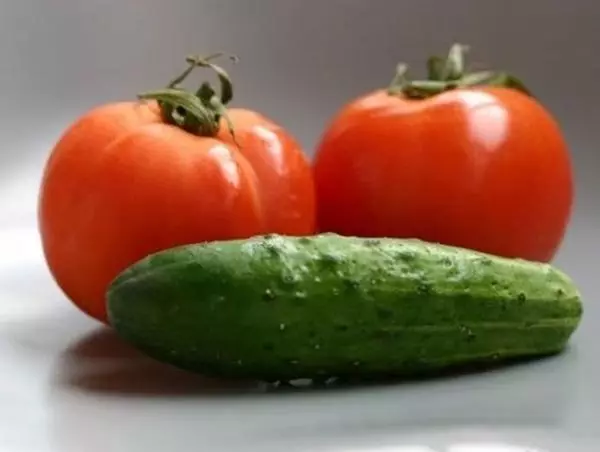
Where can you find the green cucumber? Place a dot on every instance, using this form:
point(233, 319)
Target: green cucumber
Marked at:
point(281, 308)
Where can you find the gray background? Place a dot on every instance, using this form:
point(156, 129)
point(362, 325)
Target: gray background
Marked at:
point(65, 387)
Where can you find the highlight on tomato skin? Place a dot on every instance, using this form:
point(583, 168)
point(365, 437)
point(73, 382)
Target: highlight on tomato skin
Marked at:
point(465, 159)
point(131, 178)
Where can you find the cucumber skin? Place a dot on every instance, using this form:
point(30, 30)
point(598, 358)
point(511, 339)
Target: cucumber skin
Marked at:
point(281, 308)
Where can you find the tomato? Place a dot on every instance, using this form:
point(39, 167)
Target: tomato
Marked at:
point(469, 160)
point(131, 178)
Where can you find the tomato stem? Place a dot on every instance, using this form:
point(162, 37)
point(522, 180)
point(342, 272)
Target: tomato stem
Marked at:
point(400, 80)
point(444, 74)
point(196, 112)
point(454, 66)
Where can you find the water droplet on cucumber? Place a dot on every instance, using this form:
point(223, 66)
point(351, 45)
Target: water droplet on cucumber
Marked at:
point(351, 283)
point(406, 256)
point(300, 295)
point(446, 262)
point(330, 261)
point(290, 279)
point(424, 288)
point(269, 295)
point(468, 333)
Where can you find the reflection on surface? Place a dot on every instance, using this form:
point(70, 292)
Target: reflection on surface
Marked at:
point(91, 408)
point(489, 447)
point(101, 362)
point(395, 449)
point(105, 395)
point(462, 447)
point(474, 447)
point(488, 121)
point(226, 161)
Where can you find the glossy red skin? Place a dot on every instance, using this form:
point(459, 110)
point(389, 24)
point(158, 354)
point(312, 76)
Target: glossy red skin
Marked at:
point(485, 168)
point(121, 184)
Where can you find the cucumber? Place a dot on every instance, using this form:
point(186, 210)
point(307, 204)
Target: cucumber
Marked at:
point(279, 308)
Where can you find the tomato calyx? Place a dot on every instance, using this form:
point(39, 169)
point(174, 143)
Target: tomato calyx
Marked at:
point(445, 74)
point(196, 112)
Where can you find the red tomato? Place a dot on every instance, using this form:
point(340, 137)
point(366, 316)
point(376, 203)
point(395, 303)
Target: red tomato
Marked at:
point(124, 182)
point(470, 165)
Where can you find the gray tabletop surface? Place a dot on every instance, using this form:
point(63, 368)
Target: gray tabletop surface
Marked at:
point(69, 385)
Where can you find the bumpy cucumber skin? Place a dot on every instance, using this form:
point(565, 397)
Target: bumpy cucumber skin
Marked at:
point(280, 308)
